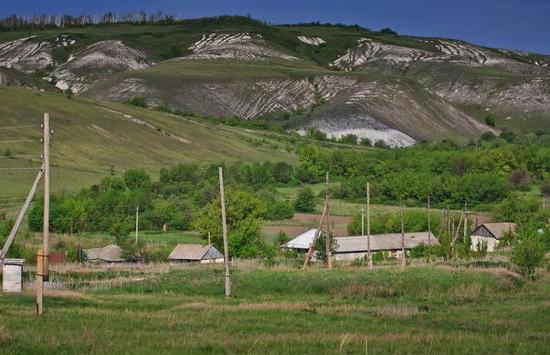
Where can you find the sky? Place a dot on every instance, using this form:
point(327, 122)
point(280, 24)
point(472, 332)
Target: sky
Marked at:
point(513, 24)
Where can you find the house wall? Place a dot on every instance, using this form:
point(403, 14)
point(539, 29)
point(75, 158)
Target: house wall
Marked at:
point(212, 261)
point(478, 239)
point(353, 256)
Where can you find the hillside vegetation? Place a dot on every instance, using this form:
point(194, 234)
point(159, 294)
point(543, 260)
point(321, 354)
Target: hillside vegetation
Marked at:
point(338, 79)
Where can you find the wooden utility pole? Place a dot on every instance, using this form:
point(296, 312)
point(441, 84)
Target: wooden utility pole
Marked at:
point(137, 223)
point(465, 221)
point(403, 257)
point(328, 251)
point(42, 274)
point(369, 252)
point(429, 224)
point(225, 242)
point(311, 250)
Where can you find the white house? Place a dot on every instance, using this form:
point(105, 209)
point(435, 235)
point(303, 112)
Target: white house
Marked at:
point(491, 234)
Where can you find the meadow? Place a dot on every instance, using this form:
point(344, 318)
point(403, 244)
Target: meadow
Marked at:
point(181, 309)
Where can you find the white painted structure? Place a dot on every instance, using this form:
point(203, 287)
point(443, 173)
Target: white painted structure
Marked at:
point(490, 234)
point(12, 278)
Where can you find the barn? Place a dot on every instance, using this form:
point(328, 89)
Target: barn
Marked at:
point(353, 247)
point(189, 253)
point(108, 254)
point(491, 234)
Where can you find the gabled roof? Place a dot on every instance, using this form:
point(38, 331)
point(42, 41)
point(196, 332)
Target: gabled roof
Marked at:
point(498, 230)
point(389, 241)
point(109, 253)
point(195, 252)
point(302, 241)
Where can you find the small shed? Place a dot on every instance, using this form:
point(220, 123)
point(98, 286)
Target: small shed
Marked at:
point(189, 253)
point(108, 254)
point(12, 275)
point(491, 234)
point(356, 246)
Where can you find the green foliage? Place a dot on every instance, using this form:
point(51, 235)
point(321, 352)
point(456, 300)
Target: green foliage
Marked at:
point(278, 210)
point(316, 134)
point(490, 120)
point(366, 141)
point(528, 254)
point(305, 201)
point(244, 214)
point(348, 139)
point(413, 221)
point(138, 101)
point(388, 31)
point(520, 209)
point(545, 187)
point(520, 179)
point(321, 247)
point(283, 172)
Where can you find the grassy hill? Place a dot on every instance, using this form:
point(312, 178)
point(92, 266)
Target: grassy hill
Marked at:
point(92, 138)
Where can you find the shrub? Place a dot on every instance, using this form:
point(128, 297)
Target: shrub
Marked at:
point(528, 254)
point(380, 144)
point(366, 141)
point(305, 202)
point(348, 139)
point(279, 210)
point(520, 179)
point(545, 187)
point(138, 101)
point(490, 120)
point(388, 31)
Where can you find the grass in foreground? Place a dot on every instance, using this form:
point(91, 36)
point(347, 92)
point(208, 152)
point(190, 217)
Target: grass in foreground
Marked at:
point(347, 310)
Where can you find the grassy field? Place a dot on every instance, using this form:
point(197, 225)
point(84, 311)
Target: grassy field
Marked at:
point(181, 309)
point(92, 138)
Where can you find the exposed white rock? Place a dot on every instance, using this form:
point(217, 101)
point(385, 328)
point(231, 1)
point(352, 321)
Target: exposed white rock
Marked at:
point(329, 86)
point(369, 51)
point(97, 60)
point(234, 46)
point(391, 137)
point(26, 55)
point(62, 85)
point(469, 54)
point(314, 41)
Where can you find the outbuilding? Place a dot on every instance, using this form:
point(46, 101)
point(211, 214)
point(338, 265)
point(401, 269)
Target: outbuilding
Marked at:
point(108, 254)
point(490, 234)
point(189, 253)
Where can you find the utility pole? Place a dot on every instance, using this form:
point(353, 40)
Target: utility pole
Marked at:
point(465, 221)
point(369, 252)
point(363, 221)
point(137, 223)
point(403, 259)
point(225, 242)
point(42, 274)
point(429, 224)
point(328, 251)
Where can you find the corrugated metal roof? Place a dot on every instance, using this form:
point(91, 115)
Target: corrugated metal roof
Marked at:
point(303, 241)
point(390, 241)
point(195, 252)
point(498, 229)
point(109, 253)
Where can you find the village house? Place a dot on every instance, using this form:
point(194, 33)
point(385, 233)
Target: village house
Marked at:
point(490, 234)
point(354, 247)
point(188, 253)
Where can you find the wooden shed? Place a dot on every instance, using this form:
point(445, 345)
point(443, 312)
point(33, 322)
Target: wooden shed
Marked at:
point(195, 253)
point(491, 234)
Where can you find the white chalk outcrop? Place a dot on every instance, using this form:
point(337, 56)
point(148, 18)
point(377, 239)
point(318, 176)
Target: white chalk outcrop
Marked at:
point(313, 41)
point(96, 61)
point(234, 46)
point(369, 51)
point(25, 54)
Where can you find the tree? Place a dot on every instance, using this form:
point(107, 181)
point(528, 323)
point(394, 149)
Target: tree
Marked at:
point(545, 187)
point(244, 214)
point(388, 31)
point(348, 139)
point(366, 141)
point(305, 201)
point(137, 179)
point(528, 254)
point(278, 210)
point(282, 172)
point(520, 179)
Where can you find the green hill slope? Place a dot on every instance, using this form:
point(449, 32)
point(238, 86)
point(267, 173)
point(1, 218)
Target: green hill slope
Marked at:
point(92, 138)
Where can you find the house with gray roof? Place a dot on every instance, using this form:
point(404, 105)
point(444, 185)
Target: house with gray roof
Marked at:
point(188, 253)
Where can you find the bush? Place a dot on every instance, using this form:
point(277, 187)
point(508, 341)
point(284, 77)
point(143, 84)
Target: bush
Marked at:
point(490, 120)
point(388, 31)
point(528, 254)
point(520, 179)
point(348, 139)
point(305, 202)
point(138, 101)
point(545, 187)
point(279, 210)
point(366, 141)
point(380, 144)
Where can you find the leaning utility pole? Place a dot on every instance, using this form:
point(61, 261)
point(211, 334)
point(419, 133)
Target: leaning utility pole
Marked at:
point(42, 267)
point(328, 251)
point(465, 221)
point(369, 252)
point(137, 223)
point(403, 257)
point(225, 242)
